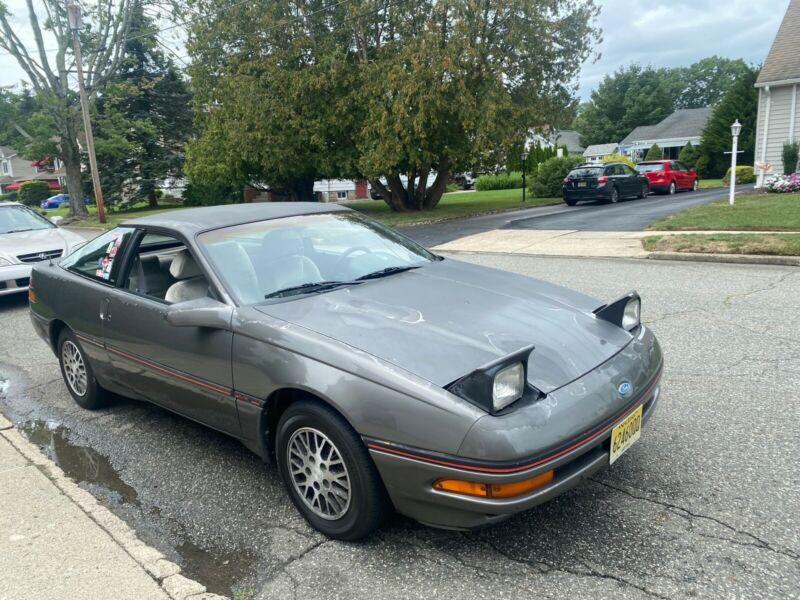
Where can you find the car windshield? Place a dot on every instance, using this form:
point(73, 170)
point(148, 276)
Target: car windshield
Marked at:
point(296, 256)
point(20, 218)
point(645, 167)
point(586, 172)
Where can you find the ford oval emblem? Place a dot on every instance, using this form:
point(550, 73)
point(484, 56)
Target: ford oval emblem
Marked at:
point(624, 388)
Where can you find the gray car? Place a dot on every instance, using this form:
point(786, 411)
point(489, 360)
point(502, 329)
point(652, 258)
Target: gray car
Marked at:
point(27, 238)
point(375, 373)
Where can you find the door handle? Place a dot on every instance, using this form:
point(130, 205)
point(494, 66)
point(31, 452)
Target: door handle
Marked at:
point(104, 314)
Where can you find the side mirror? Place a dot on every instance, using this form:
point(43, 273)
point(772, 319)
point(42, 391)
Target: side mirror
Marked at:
point(203, 312)
point(56, 220)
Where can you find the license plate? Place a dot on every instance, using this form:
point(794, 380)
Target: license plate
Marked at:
point(624, 435)
point(582, 184)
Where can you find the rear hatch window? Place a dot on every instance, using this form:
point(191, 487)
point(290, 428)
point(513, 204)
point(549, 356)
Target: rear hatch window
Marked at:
point(584, 172)
point(649, 167)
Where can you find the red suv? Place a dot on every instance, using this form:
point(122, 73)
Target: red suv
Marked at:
point(669, 176)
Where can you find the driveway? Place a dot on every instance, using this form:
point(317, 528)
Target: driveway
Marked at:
point(705, 505)
point(628, 215)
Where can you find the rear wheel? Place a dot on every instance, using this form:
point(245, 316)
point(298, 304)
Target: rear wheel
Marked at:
point(570, 202)
point(672, 189)
point(695, 185)
point(78, 374)
point(328, 472)
point(614, 195)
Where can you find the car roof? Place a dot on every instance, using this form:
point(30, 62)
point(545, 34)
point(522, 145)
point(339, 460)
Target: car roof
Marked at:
point(654, 162)
point(190, 221)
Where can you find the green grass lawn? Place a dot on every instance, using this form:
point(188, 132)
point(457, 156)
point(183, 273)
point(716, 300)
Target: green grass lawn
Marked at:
point(782, 244)
point(711, 183)
point(751, 212)
point(453, 206)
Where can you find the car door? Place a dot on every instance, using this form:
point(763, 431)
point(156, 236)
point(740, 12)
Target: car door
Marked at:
point(631, 178)
point(679, 173)
point(184, 369)
point(82, 298)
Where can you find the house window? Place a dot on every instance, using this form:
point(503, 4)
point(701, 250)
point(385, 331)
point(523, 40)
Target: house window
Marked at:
point(341, 195)
point(5, 167)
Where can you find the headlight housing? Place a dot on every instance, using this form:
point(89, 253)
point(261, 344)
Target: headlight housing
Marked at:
point(624, 312)
point(499, 384)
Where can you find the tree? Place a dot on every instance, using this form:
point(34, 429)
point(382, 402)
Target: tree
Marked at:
point(655, 153)
point(32, 192)
point(103, 39)
point(790, 157)
point(705, 82)
point(143, 120)
point(548, 180)
point(740, 102)
point(393, 92)
point(631, 97)
point(688, 155)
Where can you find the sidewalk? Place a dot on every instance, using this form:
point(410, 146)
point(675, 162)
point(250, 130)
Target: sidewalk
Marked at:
point(56, 541)
point(542, 242)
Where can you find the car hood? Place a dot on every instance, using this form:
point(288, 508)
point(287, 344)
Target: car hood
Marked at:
point(37, 240)
point(449, 318)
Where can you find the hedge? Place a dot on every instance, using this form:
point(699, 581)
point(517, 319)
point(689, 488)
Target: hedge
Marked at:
point(501, 181)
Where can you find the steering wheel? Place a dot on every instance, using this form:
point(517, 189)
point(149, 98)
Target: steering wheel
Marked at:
point(350, 251)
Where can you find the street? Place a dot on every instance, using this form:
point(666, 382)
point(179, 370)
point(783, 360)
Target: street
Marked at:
point(627, 215)
point(704, 505)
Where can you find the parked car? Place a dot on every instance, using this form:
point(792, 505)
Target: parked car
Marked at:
point(464, 181)
point(611, 182)
point(27, 238)
point(58, 200)
point(374, 372)
point(669, 176)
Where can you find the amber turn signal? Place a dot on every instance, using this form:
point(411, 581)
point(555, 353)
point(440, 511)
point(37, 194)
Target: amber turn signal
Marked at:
point(493, 490)
point(31, 295)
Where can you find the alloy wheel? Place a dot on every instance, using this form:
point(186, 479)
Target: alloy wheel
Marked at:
point(318, 473)
point(695, 185)
point(74, 368)
point(672, 189)
point(614, 196)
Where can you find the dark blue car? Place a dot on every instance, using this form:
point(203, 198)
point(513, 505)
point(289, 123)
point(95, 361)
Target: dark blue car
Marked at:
point(58, 200)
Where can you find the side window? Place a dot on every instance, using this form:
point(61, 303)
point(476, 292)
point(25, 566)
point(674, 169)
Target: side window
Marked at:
point(627, 170)
point(682, 166)
point(675, 166)
point(100, 258)
point(163, 269)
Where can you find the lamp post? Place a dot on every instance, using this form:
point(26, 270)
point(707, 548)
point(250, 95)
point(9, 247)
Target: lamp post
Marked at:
point(524, 160)
point(736, 129)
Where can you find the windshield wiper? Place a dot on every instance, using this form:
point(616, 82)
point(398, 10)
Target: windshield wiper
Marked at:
point(20, 230)
point(386, 271)
point(307, 288)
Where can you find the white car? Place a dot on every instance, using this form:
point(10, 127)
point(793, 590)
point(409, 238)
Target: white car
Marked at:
point(27, 238)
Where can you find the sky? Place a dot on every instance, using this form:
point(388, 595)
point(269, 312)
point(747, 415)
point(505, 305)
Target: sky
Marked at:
point(661, 33)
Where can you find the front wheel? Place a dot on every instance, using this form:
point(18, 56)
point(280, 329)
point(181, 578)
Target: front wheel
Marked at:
point(570, 202)
point(78, 374)
point(328, 472)
point(645, 191)
point(696, 185)
point(672, 189)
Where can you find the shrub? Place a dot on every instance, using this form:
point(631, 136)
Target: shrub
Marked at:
point(547, 182)
point(791, 156)
point(452, 187)
point(744, 174)
point(619, 158)
point(8, 197)
point(501, 181)
point(31, 193)
point(784, 184)
point(655, 153)
point(689, 155)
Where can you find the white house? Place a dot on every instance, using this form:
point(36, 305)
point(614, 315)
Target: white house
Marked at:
point(595, 153)
point(672, 134)
point(778, 90)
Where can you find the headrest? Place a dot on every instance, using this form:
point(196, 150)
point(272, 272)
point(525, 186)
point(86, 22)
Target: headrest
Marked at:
point(183, 266)
point(282, 243)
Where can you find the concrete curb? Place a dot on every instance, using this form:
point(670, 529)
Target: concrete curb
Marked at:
point(751, 259)
point(166, 573)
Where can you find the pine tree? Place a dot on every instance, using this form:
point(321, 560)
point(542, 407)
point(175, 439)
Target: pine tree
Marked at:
point(688, 155)
point(655, 153)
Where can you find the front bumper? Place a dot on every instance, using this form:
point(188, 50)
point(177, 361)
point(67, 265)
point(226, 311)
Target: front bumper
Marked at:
point(409, 480)
point(14, 279)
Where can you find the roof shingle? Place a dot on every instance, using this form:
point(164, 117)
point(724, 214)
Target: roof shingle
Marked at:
point(783, 60)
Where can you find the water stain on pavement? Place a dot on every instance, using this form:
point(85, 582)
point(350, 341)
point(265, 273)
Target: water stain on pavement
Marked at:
point(219, 570)
point(81, 463)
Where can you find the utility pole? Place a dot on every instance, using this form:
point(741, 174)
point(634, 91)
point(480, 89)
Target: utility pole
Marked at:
point(75, 24)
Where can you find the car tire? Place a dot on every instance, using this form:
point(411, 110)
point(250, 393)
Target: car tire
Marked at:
point(696, 185)
point(78, 374)
point(571, 202)
point(346, 500)
point(614, 196)
point(672, 189)
point(645, 191)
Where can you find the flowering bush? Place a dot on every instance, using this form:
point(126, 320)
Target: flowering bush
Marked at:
point(784, 184)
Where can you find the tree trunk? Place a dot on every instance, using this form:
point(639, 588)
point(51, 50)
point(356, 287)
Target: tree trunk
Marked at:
point(152, 201)
point(301, 190)
point(71, 156)
point(439, 186)
point(412, 197)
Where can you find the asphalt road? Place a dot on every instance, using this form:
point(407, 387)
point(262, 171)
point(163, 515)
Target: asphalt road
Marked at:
point(704, 505)
point(628, 215)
